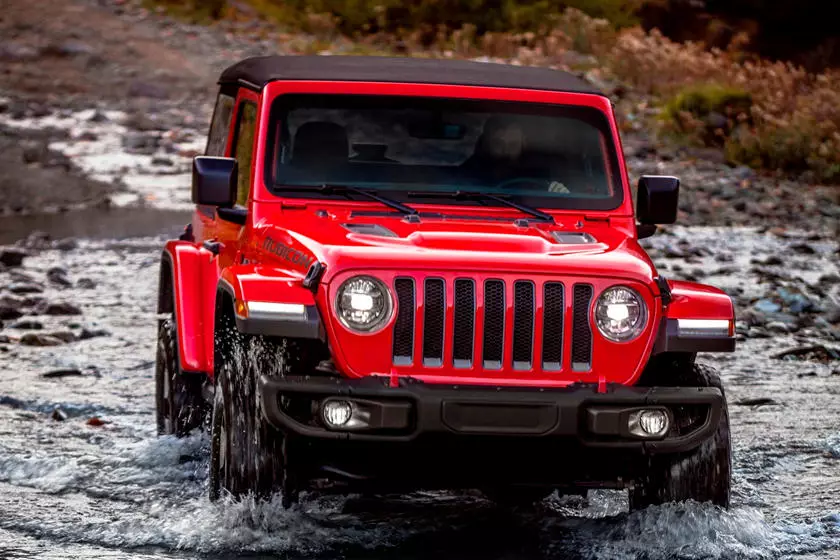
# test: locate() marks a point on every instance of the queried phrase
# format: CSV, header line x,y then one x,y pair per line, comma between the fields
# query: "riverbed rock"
x,y
25,288
58,276
59,373
12,256
59,308
27,325
9,313
58,415
87,333
86,284
38,339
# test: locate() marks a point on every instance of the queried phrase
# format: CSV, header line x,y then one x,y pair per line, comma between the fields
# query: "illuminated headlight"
x,y
363,304
620,314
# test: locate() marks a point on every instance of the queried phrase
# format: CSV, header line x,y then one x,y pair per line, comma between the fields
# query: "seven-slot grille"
x,y
536,338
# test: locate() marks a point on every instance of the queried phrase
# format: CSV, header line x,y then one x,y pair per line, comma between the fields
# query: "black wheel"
x,y
704,474
179,400
248,455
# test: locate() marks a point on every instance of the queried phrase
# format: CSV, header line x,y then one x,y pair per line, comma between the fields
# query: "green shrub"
x,y
708,113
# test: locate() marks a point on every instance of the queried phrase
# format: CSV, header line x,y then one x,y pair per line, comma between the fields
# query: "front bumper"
x,y
406,409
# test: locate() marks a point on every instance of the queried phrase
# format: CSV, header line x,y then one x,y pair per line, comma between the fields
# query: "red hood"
x,y
466,239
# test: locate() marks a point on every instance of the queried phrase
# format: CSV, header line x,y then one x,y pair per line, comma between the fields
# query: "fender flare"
x,y
185,273
269,301
696,303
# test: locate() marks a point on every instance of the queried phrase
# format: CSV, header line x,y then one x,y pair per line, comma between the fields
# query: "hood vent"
x,y
573,238
370,229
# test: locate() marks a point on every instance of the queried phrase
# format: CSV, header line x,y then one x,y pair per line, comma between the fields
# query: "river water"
x,y
71,489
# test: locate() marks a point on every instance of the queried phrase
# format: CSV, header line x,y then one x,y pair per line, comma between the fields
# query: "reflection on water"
x,y
95,223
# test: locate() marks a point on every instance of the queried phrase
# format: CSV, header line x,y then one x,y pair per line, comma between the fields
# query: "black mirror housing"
x,y
214,181
657,200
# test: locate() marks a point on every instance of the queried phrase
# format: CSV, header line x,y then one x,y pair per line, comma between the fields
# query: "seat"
x,y
320,143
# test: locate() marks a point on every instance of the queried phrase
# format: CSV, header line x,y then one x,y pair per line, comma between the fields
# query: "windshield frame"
x,y
592,111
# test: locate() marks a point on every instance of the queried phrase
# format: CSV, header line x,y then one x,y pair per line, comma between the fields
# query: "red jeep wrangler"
x,y
412,273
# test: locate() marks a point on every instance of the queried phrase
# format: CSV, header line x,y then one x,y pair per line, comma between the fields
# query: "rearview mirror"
x,y
657,200
214,181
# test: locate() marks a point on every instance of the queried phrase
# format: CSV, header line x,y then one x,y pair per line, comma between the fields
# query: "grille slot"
x,y
433,322
523,324
553,311
403,353
582,332
494,323
464,323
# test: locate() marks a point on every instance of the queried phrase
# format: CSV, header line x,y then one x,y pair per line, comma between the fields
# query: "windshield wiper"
x,y
346,190
475,195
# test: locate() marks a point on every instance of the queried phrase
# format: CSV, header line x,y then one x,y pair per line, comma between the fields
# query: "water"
x,y
69,489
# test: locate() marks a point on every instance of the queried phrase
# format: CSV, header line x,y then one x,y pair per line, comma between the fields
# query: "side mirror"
x,y
214,181
657,200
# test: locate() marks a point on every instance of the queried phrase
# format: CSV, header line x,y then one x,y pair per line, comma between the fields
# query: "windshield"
x,y
545,156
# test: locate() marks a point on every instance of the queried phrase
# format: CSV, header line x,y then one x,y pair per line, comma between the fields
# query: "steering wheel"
x,y
537,182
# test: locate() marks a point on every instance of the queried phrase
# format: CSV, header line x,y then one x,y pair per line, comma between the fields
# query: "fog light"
x,y
649,423
337,413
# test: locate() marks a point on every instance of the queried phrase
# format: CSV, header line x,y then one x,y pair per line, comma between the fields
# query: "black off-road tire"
x,y
178,396
248,455
703,474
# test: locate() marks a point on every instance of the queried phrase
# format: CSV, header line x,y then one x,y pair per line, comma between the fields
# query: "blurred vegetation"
x,y
773,115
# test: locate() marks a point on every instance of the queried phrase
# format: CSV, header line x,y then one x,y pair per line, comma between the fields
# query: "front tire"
x,y
248,455
703,474
179,401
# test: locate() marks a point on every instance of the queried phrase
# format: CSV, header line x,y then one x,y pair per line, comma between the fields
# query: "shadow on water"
x,y
95,223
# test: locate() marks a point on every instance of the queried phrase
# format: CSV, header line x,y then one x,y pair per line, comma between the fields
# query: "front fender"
x,y
270,301
187,292
698,318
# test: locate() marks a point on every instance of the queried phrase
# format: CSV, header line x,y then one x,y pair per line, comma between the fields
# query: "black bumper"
x,y
411,409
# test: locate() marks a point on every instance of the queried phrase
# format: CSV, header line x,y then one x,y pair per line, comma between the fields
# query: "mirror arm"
x,y
644,231
237,215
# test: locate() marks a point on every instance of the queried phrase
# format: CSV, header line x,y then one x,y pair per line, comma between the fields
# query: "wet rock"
x,y
63,336
767,306
58,276
92,333
61,308
27,325
778,327
829,279
140,143
11,402
11,256
25,288
37,339
58,415
98,117
4,339
59,373
86,284
37,240
66,244
758,401
803,249
813,352
9,313
162,160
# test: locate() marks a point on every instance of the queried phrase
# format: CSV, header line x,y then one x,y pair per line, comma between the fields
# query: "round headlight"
x,y
620,314
363,304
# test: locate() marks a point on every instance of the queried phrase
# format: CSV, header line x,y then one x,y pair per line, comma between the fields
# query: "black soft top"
x,y
256,72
